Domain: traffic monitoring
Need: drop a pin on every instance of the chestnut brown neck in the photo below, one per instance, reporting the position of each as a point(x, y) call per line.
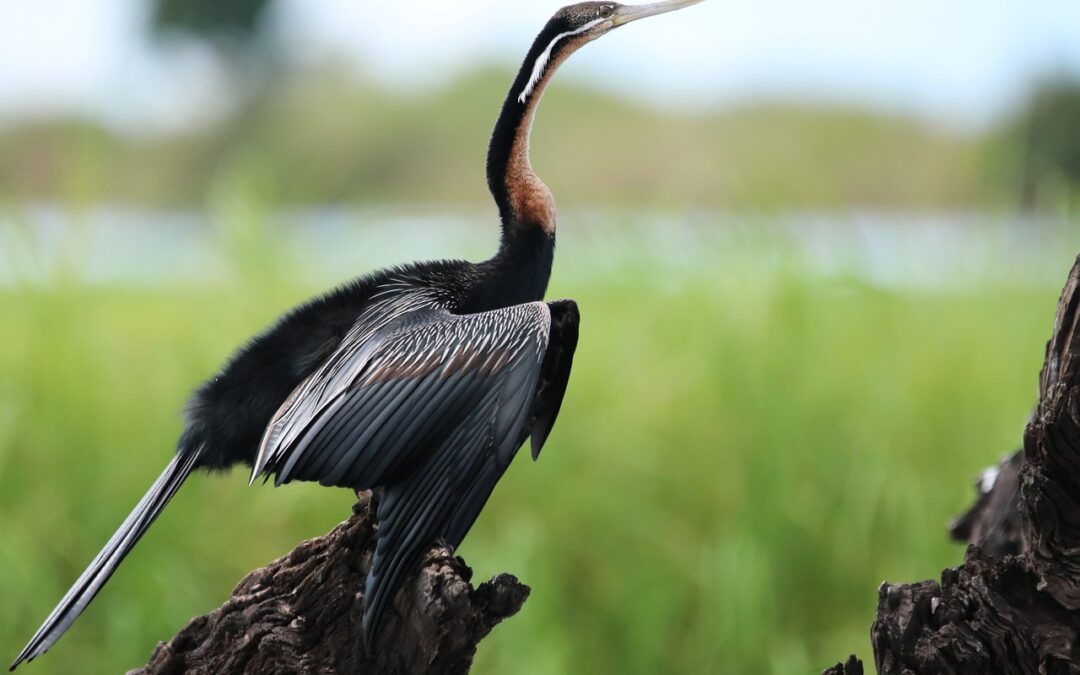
point(525, 203)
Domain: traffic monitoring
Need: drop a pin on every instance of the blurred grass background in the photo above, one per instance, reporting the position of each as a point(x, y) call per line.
point(750, 444)
point(806, 329)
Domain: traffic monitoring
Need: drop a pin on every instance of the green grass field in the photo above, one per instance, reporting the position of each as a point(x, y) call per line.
point(747, 449)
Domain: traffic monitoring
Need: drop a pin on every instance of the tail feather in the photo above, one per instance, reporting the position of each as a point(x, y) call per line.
point(106, 562)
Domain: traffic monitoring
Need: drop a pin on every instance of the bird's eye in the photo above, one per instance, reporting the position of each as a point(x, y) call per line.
point(606, 11)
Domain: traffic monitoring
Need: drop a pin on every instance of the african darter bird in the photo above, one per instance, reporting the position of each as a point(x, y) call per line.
point(419, 381)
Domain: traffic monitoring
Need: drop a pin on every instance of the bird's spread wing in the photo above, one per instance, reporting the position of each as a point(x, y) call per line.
point(431, 407)
point(396, 389)
point(330, 383)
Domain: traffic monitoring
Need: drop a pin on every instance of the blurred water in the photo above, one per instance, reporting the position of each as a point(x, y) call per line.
point(924, 251)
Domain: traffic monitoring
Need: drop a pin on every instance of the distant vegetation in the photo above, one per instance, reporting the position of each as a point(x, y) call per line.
point(322, 135)
point(1049, 136)
point(326, 137)
point(239, 20)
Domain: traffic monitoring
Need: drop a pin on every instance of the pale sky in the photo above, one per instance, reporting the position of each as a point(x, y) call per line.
point(959, 62)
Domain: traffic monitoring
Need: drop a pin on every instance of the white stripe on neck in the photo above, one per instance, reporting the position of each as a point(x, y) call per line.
point(541, 61)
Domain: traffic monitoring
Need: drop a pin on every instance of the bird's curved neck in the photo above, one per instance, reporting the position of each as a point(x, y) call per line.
point(525, 203)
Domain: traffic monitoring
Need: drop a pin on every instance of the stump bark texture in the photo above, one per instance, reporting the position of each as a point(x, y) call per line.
point(301, 614)
point(1012, 607)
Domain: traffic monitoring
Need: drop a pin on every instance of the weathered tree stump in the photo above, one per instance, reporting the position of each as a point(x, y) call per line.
point(1014, 605)
point(993, 522)
point(301, 614)
point(852, 666)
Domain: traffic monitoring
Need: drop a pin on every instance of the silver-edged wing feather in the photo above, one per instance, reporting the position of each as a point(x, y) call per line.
point(387, 313)
point(431, 407)
point(396, 386)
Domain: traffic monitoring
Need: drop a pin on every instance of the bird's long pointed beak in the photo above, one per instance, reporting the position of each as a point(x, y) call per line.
point(628, 13)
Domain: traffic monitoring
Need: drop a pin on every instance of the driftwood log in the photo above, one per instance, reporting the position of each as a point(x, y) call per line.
point(1012, 607)
point(301, 614)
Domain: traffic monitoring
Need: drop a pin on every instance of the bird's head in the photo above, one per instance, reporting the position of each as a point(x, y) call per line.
point(594, 19)
point(574, 25)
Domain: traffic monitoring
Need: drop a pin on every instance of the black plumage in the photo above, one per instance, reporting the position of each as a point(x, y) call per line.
point(421, 381)
point(426, 404)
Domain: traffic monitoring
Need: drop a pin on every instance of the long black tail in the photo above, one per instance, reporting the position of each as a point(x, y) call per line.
point(106, 562)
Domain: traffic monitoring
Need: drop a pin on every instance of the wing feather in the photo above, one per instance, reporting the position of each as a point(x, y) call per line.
point(427, 405)
point(429, 422)
point(415, 512)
